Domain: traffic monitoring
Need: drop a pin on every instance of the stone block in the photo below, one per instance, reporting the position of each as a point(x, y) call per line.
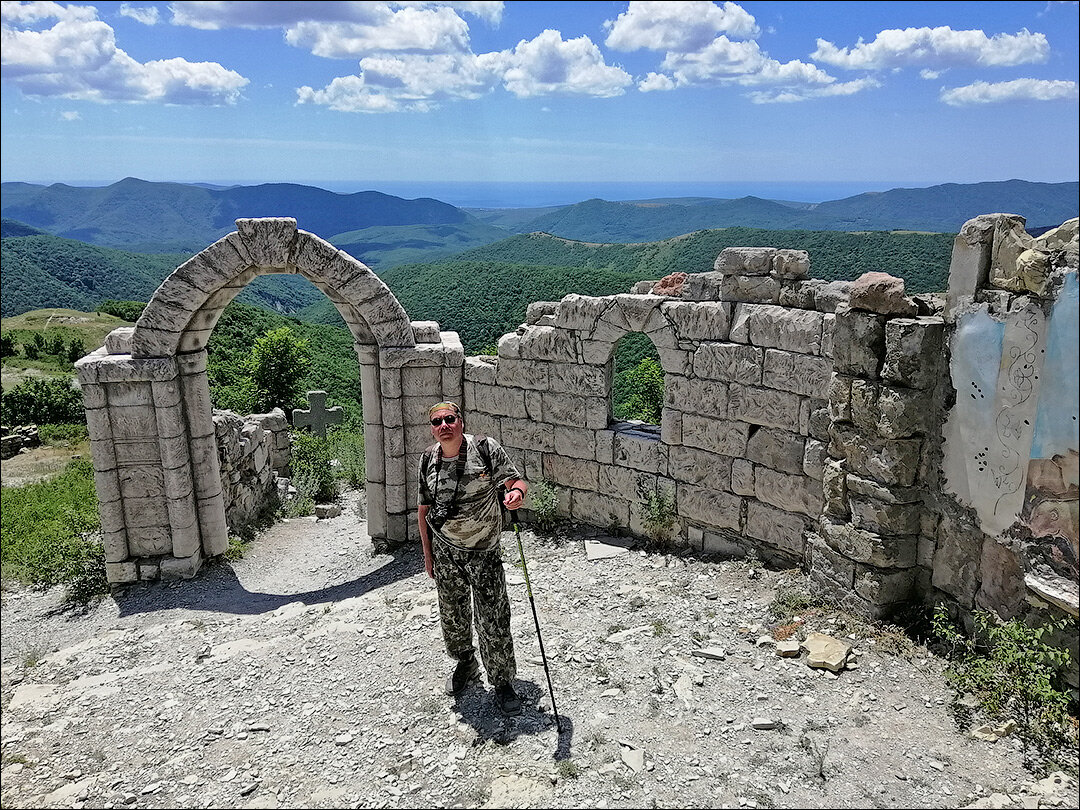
point(702, 287)
point(889, 494)
point(927, 547)
point(799, 373)
point(969, 268)
point(833, 565)
point(914, 351)
point(509, 345)
point(778, 528)
point(422, 382)
point(605, 446)
point(132, 394)
point(832, 297)
point(791, 264)
point(880, 293)
point(858, 343)
point(425, 331)
point(815, 454)
point(141, 482)
point(957, 560)
point(800, 294)
point(704, 397)
point(745, 261)
point(641, 452)
point(763, 406)
point(881, 551)
point(1011, 240)
point(883, 517)
point(698, 320)
point(599, 510)
point(180, 567)
point(540, 309)
point(692, 466)
point(479, 370)
point(792, 493)
point(571, 441)
point(715, 435)
point(575, 411)
point(671, 426)
point(134, 422)
point(817, 425)
point(149, 541)
point(494, 400)
point(710, 507)
point(750, 289)
point(884, 587)
point(1001, 579)
point(121, 573)
point(864, 405)
point(776, 449)
point(584, 380)
point(572, 472)
point(581, 311)
point(793, 330)
point(529, 435)
point(530, 374)
point(729, 362)
point(622, 482)
point(641, 312)
point(839, 396)
point(901, 413)
point(894, 462)
point(729, 545)
point(828, 323)
point(742, 477)
point(676, 361)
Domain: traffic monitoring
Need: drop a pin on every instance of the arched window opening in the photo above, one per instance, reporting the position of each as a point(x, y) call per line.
point(637, 387)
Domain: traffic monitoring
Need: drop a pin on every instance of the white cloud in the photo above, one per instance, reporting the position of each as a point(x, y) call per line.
point(70, 115)
point(395, 83)
point(1015, 90)
point(926, 73)
point(739, 63)
point(288, 13)
point(547, 65)
point(147, 15)
point(409, 30)
point(787, 96)
point(77, 58)
point(656, 81)
point(940, 47)
point(688, 25)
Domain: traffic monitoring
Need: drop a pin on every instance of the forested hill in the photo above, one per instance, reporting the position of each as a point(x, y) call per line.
point(483, 293)
point(942, 208)
point(175, 217)
point(41, 272)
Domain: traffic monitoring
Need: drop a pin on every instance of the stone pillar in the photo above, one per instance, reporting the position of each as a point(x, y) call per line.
point(881, 398)
point(202, 441)
point(374, 442)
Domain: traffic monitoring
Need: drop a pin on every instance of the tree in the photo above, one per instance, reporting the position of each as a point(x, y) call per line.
point(42, 401)
point(279, 362)
point(645, 386)
point(8, 346)
point(76, 349)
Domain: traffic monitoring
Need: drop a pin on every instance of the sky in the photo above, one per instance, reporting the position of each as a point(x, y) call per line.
point(342, 93)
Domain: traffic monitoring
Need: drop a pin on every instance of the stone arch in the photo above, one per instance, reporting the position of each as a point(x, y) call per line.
point(148, 399)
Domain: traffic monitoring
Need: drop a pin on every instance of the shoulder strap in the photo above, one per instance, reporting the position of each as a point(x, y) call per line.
point(425, 467)
point(485, 452)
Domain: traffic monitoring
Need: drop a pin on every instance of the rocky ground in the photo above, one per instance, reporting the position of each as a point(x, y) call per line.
point(309, 674)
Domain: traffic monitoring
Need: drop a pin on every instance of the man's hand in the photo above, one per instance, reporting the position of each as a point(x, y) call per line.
point(515, 496)
point(429, 564)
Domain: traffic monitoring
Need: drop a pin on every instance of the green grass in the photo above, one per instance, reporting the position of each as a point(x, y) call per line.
point(48, 533)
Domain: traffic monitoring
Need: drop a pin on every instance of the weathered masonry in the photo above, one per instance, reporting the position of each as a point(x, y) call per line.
point(897, 447)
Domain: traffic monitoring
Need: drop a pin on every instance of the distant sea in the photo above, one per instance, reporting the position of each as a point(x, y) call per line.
point(538, 195)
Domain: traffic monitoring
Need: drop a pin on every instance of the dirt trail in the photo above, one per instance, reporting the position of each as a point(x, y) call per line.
point(310, 673)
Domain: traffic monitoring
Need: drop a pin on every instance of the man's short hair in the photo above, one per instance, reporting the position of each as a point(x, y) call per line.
point(438, 406)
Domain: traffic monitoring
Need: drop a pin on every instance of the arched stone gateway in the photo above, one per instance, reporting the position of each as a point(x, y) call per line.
point(148, 409)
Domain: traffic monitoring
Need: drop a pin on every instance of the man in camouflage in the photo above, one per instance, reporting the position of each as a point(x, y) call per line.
point(462, 480)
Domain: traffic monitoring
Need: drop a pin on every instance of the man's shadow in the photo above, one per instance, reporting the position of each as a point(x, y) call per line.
point(218, 589)
point(478, 708)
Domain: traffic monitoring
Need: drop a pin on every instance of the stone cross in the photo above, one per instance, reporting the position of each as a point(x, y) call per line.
point(317, 417)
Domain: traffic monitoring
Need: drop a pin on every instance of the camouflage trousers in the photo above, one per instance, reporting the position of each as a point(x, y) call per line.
point(459, 575)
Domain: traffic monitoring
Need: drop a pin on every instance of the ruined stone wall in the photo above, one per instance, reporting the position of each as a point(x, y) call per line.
point(747, 354)
point(253, 451)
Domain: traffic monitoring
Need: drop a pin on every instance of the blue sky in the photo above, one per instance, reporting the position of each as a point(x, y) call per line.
point(332, 93)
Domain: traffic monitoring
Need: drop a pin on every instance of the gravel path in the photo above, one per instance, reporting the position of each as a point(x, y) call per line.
point(309, 674)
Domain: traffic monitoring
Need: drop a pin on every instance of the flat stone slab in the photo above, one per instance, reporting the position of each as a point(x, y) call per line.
point(602, 550)
point(825, 652)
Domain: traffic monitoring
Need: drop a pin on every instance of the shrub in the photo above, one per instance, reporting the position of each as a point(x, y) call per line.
point(48, 533)
point(62, 435)
point(545, 504)
point(347, 449)
point(312, 473)
point(125, 310)
point(658, 516)
point(8, 346)
point(39, 400)
point(75, 350)
point(1012, 672)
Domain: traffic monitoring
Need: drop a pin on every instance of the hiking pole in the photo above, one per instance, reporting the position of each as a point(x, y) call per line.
point(532, 602)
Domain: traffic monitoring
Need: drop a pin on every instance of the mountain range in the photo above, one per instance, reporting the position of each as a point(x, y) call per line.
point(383, 230)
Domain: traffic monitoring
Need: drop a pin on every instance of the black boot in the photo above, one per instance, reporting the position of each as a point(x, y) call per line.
point(509, 702)
point(464, 673)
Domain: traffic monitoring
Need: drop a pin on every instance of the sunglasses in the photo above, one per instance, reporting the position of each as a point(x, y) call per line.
point(448, 419)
